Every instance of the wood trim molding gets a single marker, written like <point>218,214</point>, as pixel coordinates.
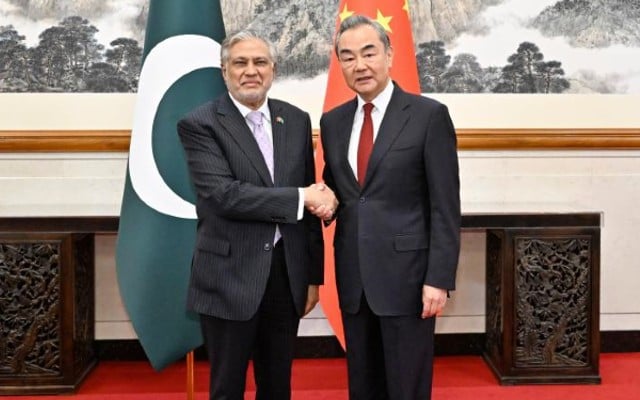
<point>468,139</point>
<point>548,139</point>
<point>64,141</point>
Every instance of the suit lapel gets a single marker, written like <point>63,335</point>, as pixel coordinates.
<point>240,132</point>
<point>394,120</point>
<point>343,138</point>
<point>278,128</point>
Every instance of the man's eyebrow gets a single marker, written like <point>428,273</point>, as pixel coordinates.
<point>368,47</point>
<point>363,48</point>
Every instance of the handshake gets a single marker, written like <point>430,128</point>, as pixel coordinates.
<point>320,201</point>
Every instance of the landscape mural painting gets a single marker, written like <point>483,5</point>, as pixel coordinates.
<point>462,46</point>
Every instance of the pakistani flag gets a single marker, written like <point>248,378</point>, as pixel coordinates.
<point>181,70</point>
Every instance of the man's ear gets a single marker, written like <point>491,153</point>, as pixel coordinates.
<point>223,69</point>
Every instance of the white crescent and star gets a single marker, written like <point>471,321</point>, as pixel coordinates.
<point>165,64</point>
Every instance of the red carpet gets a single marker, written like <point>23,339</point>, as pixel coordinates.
<point>456,378</point>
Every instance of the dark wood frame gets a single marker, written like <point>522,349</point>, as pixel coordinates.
<point>74,355</point>
<point>76,235</point>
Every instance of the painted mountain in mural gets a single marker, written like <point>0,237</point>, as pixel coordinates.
<point>303,29</point>
<point>445,20</point>
<point>37,9</point>
<point>593,23</point>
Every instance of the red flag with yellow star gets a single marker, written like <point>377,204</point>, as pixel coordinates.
<point>393,15</point>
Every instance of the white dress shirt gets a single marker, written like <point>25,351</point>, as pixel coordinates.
<point>266,119</point>
<point>380,104</point>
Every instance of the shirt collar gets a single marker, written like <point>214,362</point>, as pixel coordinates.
<point>244,110</point>
<point>382,100</point>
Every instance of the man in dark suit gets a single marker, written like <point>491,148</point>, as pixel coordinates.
<point>259,255</point>
<point>390,157</point>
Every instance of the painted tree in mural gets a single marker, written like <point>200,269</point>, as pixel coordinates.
<point>125,55</point>
<point>120,71</point>
<point>549,77</point>
<point>510,80</point>
<point>432,64</point>
<point>14,61</point>
<point>523,63</point>
<point>103,77</point>
<point>464,75</point>
<point>67,58</point>
<point>528,73</point>
<point>65,53</point>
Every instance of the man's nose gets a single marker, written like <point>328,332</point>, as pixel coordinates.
<point>360,63</point>
<point>251,68</point>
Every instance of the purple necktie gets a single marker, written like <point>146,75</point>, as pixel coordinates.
<point>263,139</point>
<point>266,147</point>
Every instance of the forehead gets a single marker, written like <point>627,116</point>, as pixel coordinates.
<point>249,48</point>
<point>359,38</point>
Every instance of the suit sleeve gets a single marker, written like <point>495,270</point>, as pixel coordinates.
<point>327,175</point>
<point>441,168</point>
<point>222,191</point>
<point>314,228</point>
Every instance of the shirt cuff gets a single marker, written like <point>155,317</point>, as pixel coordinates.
<point>300,203</point>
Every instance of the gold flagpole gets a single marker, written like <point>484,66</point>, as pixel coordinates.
<point>190,376</point>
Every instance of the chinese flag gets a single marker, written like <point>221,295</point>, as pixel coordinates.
<point>393,15</point>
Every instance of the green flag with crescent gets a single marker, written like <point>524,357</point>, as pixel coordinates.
<point>180,70</point>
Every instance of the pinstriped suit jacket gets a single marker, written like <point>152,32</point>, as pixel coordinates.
<point>239,206</point>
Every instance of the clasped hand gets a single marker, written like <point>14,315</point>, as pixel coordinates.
<point>320,201</point>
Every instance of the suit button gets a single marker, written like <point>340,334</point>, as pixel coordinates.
<point>362,199</point>
<point>267,247</point>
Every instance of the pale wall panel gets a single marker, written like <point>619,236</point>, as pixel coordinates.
<point>47,111</point>
<point>91,184</point>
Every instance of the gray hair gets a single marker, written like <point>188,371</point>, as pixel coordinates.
<point>240,36</point>
<point>355,21</point>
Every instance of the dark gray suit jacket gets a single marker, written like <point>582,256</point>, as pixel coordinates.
<point>239,206</point>
<point>402,229</point>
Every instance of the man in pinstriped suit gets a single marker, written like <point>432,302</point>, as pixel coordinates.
<point>258,259</point>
